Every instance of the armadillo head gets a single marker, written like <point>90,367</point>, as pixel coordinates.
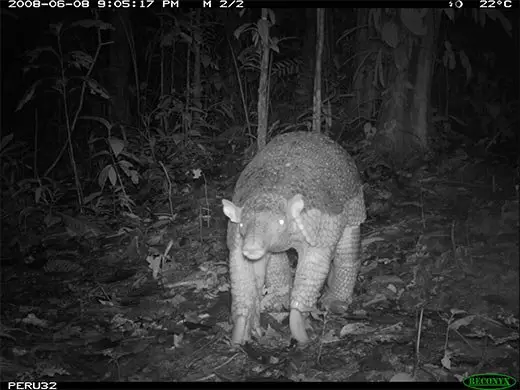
<point>265,224</point>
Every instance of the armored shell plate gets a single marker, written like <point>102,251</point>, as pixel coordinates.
<point>306,163</point>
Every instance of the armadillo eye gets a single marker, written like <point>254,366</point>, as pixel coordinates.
<point>242,229</point>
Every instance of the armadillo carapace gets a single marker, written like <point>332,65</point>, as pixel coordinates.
<point>301,191</point>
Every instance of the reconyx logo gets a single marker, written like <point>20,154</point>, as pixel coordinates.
<point>489,381</point>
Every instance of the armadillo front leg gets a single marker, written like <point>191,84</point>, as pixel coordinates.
<point>312,270</point>
<point>344,270</point>
<point>247,280</point>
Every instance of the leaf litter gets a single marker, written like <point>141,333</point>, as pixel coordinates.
<point>436,299</point>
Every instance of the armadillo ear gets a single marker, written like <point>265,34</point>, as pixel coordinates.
<point>295,206</point>
<point>306,222</point>
<point>232,212</point>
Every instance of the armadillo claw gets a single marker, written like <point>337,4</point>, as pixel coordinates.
<point>240,334</point>
<point>243,328</point>
<point>297,326</point>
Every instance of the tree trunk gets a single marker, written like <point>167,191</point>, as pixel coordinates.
<point>197,87</point>
<point>308,55</point>
<point>263,28</point>
<point>317,104</point>
<point>403,123</point>
<point>119,67</point>
<point>167,67</point>
<point>362,105</point>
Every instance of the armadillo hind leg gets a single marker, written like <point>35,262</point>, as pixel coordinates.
<point>344,270</point>
<point>278,282</point>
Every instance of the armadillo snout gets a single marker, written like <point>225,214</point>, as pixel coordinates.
<point>257,235</point>
<point>254,251</point>
<point>254,246</point>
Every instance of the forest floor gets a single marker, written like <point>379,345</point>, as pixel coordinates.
<point>145,296</point>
